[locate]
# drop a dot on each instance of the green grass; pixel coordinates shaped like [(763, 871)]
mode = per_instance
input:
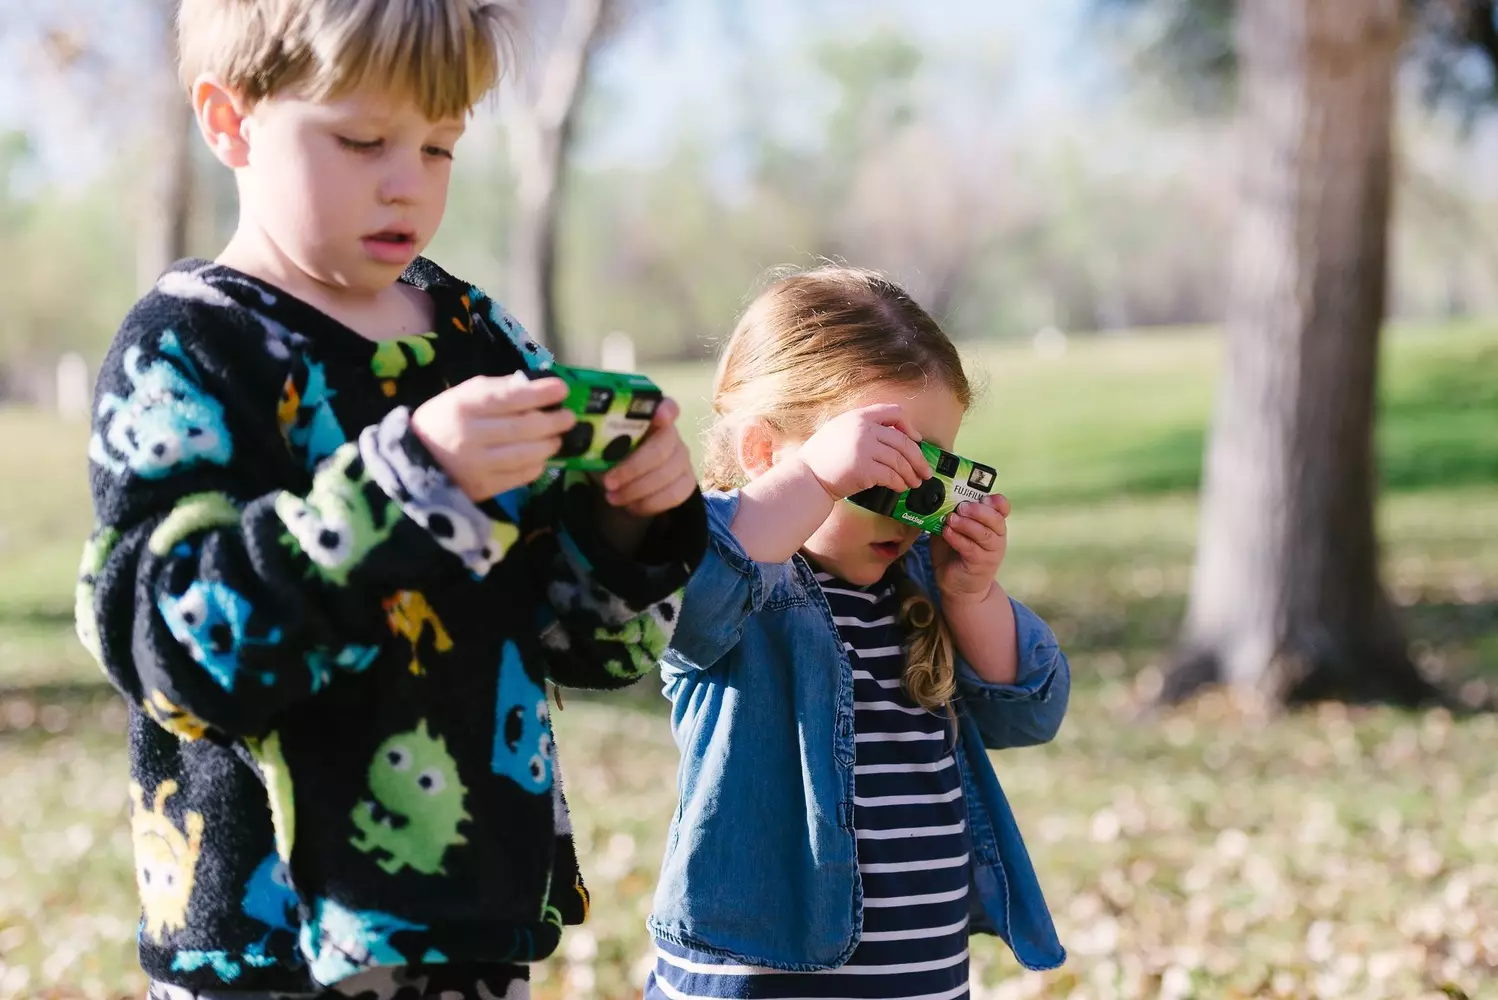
[(1332, 854)]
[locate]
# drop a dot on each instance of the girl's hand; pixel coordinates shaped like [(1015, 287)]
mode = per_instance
[(657, 476), (872, 446), (968, 553)]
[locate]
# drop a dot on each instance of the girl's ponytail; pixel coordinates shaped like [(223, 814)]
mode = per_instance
[(930, 656)]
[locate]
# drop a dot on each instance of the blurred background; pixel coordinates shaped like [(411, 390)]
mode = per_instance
[(1133, 215)]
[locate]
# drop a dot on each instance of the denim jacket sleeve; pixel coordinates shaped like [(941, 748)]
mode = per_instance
[(1029, 711), (725, 590)]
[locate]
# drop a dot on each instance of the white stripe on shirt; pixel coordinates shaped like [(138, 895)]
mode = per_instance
[(908, 800)]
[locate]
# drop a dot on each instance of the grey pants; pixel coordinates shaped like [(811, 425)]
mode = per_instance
[(497, 982)]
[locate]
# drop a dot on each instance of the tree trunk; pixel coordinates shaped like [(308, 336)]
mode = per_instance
[(539, 140), (1286, 604), (162, 228)]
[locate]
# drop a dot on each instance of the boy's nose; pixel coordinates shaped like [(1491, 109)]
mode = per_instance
[(401, 186)]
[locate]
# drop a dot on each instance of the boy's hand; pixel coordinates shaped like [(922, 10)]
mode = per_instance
[(657, 476), (872, 446), (968, 553), (494, 434)]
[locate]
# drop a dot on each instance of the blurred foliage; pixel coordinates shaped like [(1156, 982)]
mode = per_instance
[(1111, 216), (1453, 48)]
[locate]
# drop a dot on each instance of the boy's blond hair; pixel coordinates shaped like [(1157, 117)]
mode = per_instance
[(445, 55)]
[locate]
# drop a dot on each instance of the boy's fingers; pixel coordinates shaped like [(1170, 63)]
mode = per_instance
[(666, 414), (520, 454), (644, 486), (668, 497), (656, 450), (496, 432), (494, 397)]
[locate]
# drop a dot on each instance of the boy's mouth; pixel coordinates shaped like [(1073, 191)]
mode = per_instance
[(887, 550), (390, 244)]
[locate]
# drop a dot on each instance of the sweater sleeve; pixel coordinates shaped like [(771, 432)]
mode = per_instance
[(211, 595), (607, 618)]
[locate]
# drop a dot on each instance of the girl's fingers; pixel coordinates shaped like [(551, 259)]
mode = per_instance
[(969, 550), (893, 459), (969, 528), (985, 515), (901, 442)]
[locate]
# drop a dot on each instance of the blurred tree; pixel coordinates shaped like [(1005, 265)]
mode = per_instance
[(541, 133), (167, 208), (1286, 603)]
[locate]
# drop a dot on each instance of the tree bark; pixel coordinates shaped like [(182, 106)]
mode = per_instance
[(161, 230), (539, 140), (1286, 603)]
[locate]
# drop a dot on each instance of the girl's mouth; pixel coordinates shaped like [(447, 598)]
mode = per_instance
[(886, 550)]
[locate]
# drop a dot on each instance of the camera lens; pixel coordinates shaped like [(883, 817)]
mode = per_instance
[(926, 498), (576, 441), (617, 449)]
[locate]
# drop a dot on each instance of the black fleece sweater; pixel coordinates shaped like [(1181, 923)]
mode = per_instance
[(336, 663)]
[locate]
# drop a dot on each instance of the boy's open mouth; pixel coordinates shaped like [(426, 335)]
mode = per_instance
[(393, 245)]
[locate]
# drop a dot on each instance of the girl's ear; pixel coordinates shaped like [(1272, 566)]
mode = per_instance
[(759, 447)]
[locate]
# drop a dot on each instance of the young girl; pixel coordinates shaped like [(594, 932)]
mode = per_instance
[(836, 677)]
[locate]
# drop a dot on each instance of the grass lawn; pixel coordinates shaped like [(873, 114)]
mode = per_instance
[(1335, 853)]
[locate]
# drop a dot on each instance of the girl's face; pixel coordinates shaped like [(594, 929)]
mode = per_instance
[(857, 545)]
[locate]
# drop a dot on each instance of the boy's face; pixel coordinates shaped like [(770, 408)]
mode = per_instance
[(347, 191)]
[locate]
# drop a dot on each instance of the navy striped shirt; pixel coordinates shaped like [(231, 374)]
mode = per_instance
[(912, 834)]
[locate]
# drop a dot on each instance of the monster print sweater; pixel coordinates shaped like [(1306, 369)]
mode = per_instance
[(336, 663)]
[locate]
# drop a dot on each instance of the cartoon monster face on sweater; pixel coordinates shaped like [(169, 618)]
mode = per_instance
[(313, 428), (337, 525), (166, 859), (339, 942), (415, 803), (166, 423), (269, 898), (212, 620), (522, 727)]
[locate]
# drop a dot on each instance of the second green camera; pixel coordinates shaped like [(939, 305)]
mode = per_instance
[(955, 480)]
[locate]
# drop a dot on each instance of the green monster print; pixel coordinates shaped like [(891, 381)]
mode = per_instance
[(193, 514), (644, 638), (336, 525), (389, 362), (95, 551), (415, 804), (278, 790)]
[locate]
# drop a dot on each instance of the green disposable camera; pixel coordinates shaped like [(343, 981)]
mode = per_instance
[(613, 413), (956, 480)]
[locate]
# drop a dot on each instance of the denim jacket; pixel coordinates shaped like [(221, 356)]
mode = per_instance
[(761, 863)]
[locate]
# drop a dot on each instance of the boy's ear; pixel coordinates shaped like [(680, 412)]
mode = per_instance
[(222, 116), (759, 447)]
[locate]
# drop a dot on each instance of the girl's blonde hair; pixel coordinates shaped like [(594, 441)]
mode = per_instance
[(806, 347), (444, 55)]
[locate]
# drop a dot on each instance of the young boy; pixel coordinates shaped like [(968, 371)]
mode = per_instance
[(321, 573)]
